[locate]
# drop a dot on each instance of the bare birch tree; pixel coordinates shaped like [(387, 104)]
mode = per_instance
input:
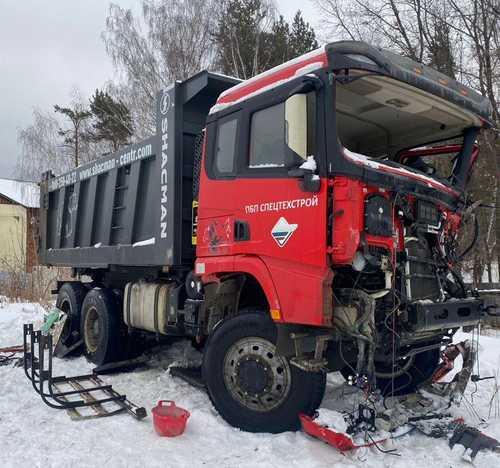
[(461, 38), (40, 148), (48, 143), (170, 40)]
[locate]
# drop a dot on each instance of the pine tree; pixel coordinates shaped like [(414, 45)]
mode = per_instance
[(440, 52), (112, 120), (302, 37), (74, 135), (279, 42), (240, 37), (251, 40)]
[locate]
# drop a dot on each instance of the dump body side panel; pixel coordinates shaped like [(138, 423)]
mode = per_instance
[(132, 207), (102, 213)]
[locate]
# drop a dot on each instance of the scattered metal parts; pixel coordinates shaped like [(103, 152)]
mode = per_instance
[(456, 387), (89, 390), (343, 442), (363, 419), (473, 440), (436, 426), (12, 349), (9, 354)]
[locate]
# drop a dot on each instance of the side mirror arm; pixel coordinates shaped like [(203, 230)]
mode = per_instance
[(309, 182), (298, 172)]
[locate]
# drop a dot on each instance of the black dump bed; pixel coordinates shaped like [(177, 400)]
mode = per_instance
[(132, 207)]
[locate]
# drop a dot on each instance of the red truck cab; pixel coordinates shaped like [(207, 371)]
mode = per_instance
[(329, 188)]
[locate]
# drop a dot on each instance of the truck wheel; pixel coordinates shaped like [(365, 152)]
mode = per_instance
[(69, 300), (421, 369), (101, 327), (251, 386)]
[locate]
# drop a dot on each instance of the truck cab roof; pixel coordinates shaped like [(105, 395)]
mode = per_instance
[(355, 55)]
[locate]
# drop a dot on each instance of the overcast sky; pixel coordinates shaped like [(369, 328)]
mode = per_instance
[(47, 48)]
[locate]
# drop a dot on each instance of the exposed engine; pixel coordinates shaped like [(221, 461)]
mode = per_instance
[(400, 305)]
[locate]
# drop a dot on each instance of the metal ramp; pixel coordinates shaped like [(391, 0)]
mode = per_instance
[(83, 396)]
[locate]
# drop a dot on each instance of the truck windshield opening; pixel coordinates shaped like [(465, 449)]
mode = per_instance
[(380, 117)]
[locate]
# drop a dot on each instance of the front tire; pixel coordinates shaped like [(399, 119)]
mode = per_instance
[(101, 327), (250, 385)]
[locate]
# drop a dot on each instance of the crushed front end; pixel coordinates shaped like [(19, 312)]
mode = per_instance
[(400, 160), (398, 292)]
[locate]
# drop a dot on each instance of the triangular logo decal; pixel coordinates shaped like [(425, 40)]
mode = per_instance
[(282, 231)]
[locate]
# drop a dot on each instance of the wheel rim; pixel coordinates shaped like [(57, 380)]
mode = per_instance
[(91, 328), (255, 375)]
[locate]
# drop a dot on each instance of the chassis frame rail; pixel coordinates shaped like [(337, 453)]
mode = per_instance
[(37, 364)]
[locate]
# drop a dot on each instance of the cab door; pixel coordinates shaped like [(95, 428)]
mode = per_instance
[(270, 201)]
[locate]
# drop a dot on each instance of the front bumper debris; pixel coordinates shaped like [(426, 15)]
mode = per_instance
[(431, 316)]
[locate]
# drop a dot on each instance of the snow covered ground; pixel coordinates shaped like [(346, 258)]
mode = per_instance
[(32, 434)]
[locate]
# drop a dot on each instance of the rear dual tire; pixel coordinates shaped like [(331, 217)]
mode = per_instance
[(250, 385), (102, 331), (70, 299)]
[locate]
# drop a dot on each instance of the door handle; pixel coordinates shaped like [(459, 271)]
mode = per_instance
[(241, 231)]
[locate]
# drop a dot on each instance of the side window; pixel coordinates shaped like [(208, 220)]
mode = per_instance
[(267, 138), (225, 146), (279, 129)]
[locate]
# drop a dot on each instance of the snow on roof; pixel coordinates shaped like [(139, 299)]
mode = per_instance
[(271, 78), (23, 193), (272, 71)]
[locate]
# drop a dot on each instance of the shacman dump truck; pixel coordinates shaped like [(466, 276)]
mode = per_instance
[(300, 222)]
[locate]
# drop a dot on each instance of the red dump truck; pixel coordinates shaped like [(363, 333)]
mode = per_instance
[(300, 222)]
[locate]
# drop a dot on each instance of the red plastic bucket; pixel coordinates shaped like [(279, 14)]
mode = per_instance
[(169, 420)]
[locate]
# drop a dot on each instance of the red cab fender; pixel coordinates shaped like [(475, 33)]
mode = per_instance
[(208, 267)]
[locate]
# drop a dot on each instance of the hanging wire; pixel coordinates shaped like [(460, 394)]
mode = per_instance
[(472, 410), (475, 350), (394, 306)]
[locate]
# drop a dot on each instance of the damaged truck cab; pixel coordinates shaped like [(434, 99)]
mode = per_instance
[(303, 221)]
